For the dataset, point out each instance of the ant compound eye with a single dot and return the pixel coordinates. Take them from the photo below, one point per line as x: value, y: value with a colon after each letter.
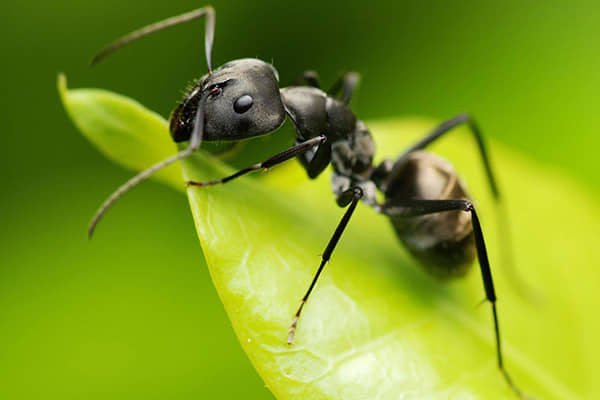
x: 243, y: 104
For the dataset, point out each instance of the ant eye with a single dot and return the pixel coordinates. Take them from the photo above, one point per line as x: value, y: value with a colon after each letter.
x: 243, y: 104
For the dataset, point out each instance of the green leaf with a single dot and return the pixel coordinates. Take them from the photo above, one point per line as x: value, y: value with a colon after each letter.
x: 117, y: 124
x: 377, y: 326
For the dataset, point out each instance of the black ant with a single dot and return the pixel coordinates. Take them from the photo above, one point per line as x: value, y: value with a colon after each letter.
x: 426, y: 201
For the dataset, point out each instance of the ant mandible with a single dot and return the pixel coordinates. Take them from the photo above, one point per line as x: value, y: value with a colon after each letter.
x: 426, y: 202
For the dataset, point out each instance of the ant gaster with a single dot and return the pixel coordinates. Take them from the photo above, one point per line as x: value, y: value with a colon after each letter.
x: 425, y: 200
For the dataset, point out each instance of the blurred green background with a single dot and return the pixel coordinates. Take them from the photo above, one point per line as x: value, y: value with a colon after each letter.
x: 133, y: 314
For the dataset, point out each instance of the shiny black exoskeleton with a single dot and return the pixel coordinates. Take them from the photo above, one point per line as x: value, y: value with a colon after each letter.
x: 443, y: 242
x: 425, y: 200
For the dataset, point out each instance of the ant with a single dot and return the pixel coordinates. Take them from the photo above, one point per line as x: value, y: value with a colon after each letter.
x: 425, y: 200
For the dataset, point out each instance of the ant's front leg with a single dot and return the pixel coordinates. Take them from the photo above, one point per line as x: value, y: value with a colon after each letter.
x: 350, y: 196
x: 316, y: 159
x: 276, y: 159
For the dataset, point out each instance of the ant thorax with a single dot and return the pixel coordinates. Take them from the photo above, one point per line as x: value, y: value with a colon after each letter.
x: 349, y: 147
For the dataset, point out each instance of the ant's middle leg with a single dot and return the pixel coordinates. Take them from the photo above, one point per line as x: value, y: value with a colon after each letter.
x: 346, y: 84
x: 352, y: 197
x: 310, y: 78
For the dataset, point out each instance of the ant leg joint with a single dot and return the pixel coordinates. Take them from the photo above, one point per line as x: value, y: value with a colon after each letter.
x: 469, y: 206
x: 358, y: 192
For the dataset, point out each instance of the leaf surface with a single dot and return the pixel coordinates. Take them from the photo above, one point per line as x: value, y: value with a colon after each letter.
x: 377, y: 326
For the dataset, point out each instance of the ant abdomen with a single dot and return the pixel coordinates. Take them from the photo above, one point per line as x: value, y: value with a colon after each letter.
x: 443, y: 242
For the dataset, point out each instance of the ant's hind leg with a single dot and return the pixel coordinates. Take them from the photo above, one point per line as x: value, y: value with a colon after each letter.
x: 508, y: 260
x: 414, y: 208
x: 444, y: 128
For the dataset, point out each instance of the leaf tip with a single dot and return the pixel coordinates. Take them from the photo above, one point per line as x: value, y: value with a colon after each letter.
x: 61, y: 85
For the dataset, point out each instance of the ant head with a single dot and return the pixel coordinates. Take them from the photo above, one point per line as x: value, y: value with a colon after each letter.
x: 241, y: 100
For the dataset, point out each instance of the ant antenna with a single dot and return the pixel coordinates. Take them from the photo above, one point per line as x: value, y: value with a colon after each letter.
x: 207, y: 11
x: 198, y: 131
x: 195, y: 140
